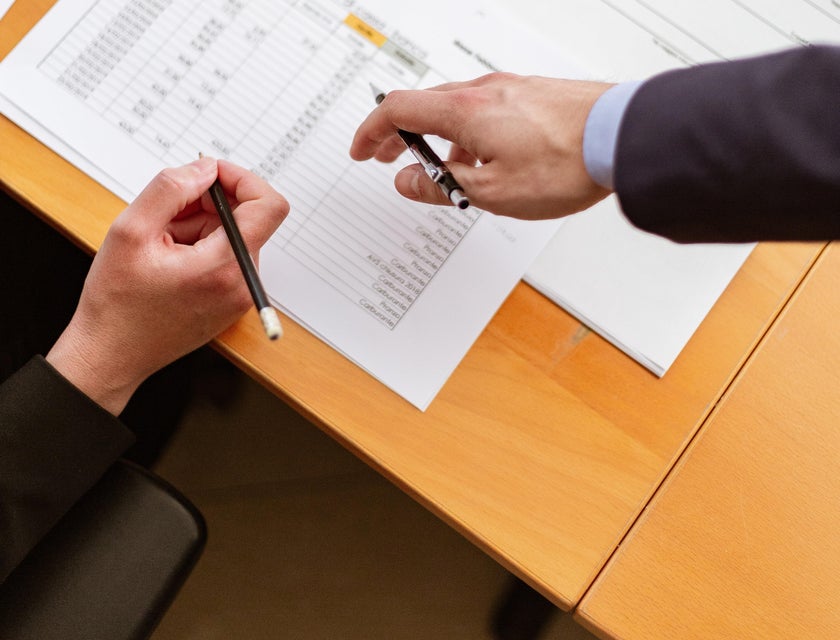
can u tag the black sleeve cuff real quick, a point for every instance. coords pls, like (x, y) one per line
(55, 443)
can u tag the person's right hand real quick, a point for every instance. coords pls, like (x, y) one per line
(525, 133)
(165, 280)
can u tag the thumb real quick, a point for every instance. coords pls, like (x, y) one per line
(413, 182)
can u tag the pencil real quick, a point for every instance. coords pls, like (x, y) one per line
(268, 316)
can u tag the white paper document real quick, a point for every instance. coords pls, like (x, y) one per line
(5, 5)
(646, 294)
(643, 293)
(126, 87)
(123, 88)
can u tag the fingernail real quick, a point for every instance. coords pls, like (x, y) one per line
(414, 185)
(203, 164)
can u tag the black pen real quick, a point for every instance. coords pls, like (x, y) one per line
(431, 163)
(268, 316)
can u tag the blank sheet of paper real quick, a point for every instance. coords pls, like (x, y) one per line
(126, 87)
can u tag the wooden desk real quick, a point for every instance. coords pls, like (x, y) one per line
(743, 541)
(545, 444)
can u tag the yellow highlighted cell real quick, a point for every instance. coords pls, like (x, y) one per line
(364, 29)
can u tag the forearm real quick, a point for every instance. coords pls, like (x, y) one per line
(55, 444)
(737, 151)
(164, 282)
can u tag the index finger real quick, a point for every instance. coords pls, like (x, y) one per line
(443, 110)
(257, 206)
(168, 194)
(427, 111)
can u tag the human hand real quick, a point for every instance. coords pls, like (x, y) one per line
(165, 280)
(525, 134)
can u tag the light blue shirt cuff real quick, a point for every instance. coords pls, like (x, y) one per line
(600, 134)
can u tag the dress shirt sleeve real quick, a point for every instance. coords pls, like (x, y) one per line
(55, 444)
(600, 133)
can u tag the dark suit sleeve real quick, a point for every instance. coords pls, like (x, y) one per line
(55, 443)
(736, 151)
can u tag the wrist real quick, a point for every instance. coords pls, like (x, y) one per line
(93, 370)
(600, 134)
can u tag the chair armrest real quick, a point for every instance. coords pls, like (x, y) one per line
(110, 568)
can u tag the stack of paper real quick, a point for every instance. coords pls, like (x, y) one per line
(125, 87)
(643, 293)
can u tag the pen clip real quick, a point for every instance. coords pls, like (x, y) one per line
(433, 169)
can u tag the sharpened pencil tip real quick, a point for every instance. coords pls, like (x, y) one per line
(378, 94)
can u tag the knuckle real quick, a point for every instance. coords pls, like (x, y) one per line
(242, 302)
(279, 206)
(484, 181)
(393, 98)
(228, 280)
(488, 186)
(169, 185)
(125, 231)
(498, 76)
(474, 101)
(167, 178)
(233, 289)
(223, 291)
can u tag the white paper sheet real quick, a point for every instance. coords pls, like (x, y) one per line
(125, 87)
(645, 294)
(5, 5)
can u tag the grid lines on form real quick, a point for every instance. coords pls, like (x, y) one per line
(377, 249)
(176, 89)
(278, 87)
(730, 28)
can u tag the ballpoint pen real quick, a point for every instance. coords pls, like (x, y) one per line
(268, 316)
(429, 160)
